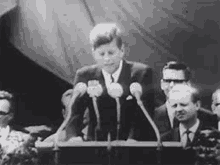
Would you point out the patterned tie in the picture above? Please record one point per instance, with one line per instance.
(188, 141)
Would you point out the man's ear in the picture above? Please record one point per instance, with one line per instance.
(11, 116)
(122, 50)
(161, 84)
(198, 105)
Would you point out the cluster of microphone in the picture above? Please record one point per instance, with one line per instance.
(115, 90)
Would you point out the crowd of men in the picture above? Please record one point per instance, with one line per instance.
(113, 75)
(113, 99)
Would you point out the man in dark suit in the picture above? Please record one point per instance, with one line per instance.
(176, 73)
(216, 104)
(108, 52)
(185, 101)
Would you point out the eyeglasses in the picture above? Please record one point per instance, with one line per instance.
(174, 81)
(216, 104)
(3, 113)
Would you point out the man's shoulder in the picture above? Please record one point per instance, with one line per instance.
(205, 114)
(138, 65)
(161, 109)
(87, 69)
(208, 118)
(169, 135)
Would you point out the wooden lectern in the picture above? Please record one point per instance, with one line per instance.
(114, 153)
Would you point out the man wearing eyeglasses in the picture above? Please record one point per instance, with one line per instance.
(216, 104)
(173, 73)
(176, 73)
(14, 143)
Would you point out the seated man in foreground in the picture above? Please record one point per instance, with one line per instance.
(185, 102)
(16, 147)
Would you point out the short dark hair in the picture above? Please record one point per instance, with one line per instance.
(179, 66)
(4, 95)
(105, 33)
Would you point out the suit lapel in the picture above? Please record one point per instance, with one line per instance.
(197, 132)
(176, 134)
(125, 78)
(99, 76)
(166, 119)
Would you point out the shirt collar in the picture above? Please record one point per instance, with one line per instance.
(116, 73)
(193, 129)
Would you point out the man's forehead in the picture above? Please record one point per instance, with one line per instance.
(173, 74)
(183, 96)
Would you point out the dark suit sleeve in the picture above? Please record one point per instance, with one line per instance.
(79, 106)
(148, 90)
(143, 130)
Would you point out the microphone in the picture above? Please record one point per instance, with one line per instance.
(115, 90)
(78, 91)
(136, 90)
(95, 91)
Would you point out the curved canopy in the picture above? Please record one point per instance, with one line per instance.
(55, 34)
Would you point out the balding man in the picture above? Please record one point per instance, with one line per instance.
(176, 73)
(185, 102)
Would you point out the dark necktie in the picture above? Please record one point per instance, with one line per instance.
(188, 141)
(112, 79)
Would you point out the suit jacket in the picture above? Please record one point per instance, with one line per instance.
(174, 134)
(133, 122)
(162, 120)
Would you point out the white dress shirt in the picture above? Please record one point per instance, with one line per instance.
(183, 135)
(171, 113)
(115, 75)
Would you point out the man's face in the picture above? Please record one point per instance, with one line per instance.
(5, 115)
(108, 56)
(216, 103)
(182, 105)
(170, 78)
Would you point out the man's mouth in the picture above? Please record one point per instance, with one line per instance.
(108, 65)
(180, 115)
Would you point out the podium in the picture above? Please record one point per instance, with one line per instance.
(114, 153)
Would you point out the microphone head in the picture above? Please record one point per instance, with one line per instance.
(80, 88)
(115, 90)
(95, 90)
(135, 88)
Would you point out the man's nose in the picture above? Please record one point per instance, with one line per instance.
(178, 108)
(171, 84)
(106, 57)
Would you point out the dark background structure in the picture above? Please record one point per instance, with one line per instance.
(43, 43)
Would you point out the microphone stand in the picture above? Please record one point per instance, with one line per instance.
(118, 117)
(94, 101)
(109, 147)
(159, 143)
(63, 125)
